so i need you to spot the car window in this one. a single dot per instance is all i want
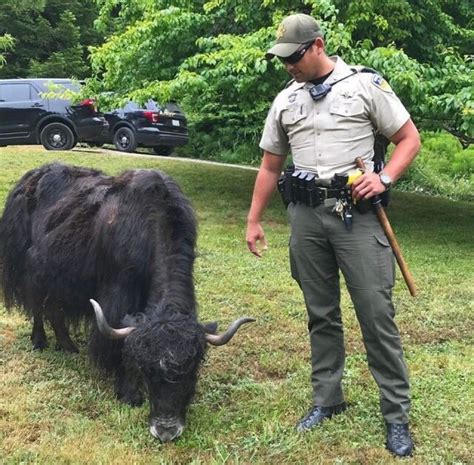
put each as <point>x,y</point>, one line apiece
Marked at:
<point>16,92</point>
<point>74,86</point>
<point>151,105</point>
<point>131,106</point>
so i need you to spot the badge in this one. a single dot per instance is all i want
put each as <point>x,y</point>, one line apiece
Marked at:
<point>280,31</point>
<point>381,83</point>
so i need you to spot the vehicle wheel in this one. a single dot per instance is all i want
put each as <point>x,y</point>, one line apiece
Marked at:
<point>163,150</point>
<point>125,140</point>
<point>57,136</point>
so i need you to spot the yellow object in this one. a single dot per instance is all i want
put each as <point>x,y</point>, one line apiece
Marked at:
<point>353,175</point>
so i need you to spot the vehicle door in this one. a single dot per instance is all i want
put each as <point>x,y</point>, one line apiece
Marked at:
<point>20,109</point>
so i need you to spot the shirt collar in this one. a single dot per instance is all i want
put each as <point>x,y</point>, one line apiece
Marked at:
<point>341,69</point>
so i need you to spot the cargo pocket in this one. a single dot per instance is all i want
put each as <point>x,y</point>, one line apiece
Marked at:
<point>293,266</point>
<point>385,260</point>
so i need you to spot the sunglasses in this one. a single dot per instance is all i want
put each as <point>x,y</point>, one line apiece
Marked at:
<point>296,56</point>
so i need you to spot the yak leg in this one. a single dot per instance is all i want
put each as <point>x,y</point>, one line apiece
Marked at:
<point>108,355</point>
<point>126,388</point>
<point>63,340</point>
<point>33,305</point>
<point>38,335</point>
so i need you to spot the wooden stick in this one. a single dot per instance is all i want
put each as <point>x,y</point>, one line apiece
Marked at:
<point>392,239</point>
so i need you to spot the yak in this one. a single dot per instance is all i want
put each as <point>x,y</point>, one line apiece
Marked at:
<point>71,237</point>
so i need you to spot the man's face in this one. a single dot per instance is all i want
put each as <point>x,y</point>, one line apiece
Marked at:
<point>303,65</point>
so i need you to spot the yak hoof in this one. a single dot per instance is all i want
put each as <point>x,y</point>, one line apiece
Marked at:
<point>39,343</point>
<point>132,398</point>
<point>67,346</point>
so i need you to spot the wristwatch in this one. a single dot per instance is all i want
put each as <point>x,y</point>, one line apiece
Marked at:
<point>386,180</point>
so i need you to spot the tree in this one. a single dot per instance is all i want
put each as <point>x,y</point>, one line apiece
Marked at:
<point>209,56</point>
<point>6,43</point>
<point>51,37</point>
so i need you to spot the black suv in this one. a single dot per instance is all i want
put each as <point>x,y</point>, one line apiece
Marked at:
<point>148,125</point>
<point>26,117</point>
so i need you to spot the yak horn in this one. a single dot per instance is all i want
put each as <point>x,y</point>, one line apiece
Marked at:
<point>224,338</point>
<point>104,327</point>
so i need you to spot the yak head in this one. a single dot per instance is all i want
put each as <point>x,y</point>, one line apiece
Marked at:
<point>165,354</point>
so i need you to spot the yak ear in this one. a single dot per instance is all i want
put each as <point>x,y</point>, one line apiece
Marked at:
<point>210,327</point>
<point>133,320</point>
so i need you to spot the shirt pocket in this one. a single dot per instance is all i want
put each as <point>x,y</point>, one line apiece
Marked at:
<point>347,107</point>
<point>293,115</point>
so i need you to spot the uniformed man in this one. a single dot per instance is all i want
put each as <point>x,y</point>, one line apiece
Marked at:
<point>327,117</point>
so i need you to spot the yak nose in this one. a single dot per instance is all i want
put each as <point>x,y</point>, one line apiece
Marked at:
<point>166,432</point>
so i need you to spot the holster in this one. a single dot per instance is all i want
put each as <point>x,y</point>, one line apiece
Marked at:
<point>363,206</point>
<point>284,185</point>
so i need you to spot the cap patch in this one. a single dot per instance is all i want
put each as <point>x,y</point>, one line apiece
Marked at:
<point>381,83</point>
<point>280,31</point>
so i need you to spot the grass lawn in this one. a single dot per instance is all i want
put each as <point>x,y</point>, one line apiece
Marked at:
<point>55,409</point>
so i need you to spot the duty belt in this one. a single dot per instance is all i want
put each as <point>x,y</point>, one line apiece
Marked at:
<point>307,188</point>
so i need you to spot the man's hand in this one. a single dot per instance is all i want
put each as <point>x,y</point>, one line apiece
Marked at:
<point>254,235</point>
<point>366,186</point>
<point>265,184</point>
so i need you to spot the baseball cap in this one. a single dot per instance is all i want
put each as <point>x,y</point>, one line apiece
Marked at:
<point>294,31</point>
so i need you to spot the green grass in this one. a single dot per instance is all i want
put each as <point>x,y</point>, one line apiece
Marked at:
<point>55,409</point>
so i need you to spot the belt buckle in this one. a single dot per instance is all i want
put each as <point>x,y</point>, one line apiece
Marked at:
<point>328,201</point>
<point>324,197</point>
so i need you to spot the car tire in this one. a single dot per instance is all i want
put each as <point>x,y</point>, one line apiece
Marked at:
<point>125,140</point>
<point>163,150</point>
<point>57,136</point>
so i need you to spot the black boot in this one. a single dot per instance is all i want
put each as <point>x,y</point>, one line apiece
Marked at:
<point>317,415</point>
<point>399,441</point>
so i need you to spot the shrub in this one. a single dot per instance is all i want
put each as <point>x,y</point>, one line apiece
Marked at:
<point>441,168</point>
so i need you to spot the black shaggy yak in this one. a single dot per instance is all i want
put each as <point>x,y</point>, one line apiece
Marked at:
<point>69,235</point>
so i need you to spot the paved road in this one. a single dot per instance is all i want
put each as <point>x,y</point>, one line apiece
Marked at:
<point>88,149</point>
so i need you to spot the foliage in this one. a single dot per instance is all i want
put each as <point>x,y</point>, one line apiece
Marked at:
<point>209,56</point>
<point>420,29</point>
<point>51,37</point>
<point>56,410</point>
<point>441,168</point>
<point>6,43</point>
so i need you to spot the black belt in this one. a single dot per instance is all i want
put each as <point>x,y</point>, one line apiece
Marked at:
<point>324,193</point>
<point>303,187</point>
<point>318,195</point>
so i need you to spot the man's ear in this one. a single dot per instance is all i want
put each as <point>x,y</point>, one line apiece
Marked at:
<point>319,44</point>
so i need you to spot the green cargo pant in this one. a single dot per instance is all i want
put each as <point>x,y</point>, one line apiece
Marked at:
<point>320,245</point>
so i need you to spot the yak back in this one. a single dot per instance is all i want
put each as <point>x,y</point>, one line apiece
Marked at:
<point>69,234</point>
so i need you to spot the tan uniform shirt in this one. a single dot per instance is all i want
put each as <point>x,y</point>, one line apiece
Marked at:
<point>326,136</point>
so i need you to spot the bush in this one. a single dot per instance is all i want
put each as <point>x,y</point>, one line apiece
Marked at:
<point>441,168</point>
<point>227,143</point>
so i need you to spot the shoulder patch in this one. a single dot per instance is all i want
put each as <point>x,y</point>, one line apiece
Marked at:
<point>368,70</point>
<point>381,83</point>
